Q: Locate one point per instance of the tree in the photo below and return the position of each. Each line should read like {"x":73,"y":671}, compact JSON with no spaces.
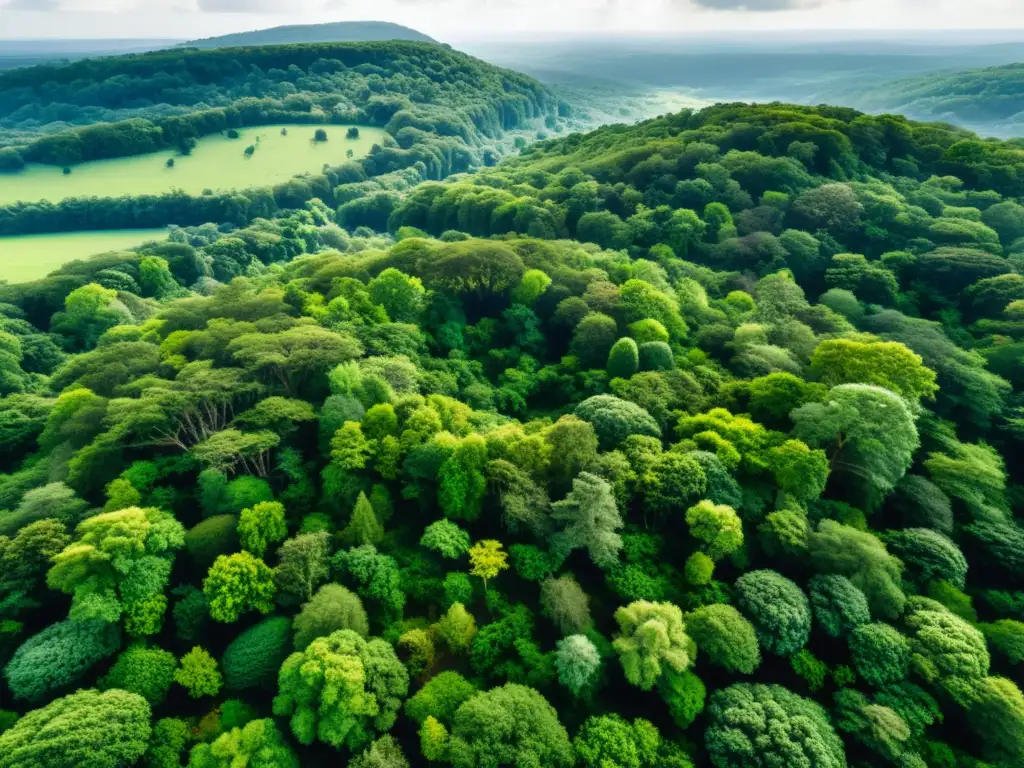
{"x":457,"y":628}
{"x":446,"y":538}
{"x":332,"y":608}
{"x":929,"y":556}
{"x":671,"y":481}
{"x":869,"y":433}
{"x":777,"y":608}
{"x":302,"y":566}
{"x":614,"y":419}
{"x":88,"y":313}
{"x":588,"y":518}
{"x":593,"y":339}
{"x":417,"y":650}
{"x":530,"y":288}
{"x":262,"y":525}
{"x":198,"y":673}
{"x":382,"y":753}
{"x":440,"y":697}
{"x":762,"y":725}
{"x":148,"y":672}
{"x":798,"y":470}
{"x":433,"y":740}
{"x":120,"y":564}
{"x":996,"y":713}
{"x":623,"y":359}
{"x":253,"y":658}
{"x":510,"y":725}
{"x":87,"y":729}
{"x":567,"y":605}
{"x":577,"y":661}
{"x":59,"y":656}
{"x":462,"y":483}
{"x":652,"y":640}
{"x":946,"y":650}
{"x":374,"y":577}
{"x":684,"y":694}
{"x":363,"y":527}
{"x":861,"y":557}
{"x":236,"y":584}
{"x":170,"y":737}
{"x":341,"y":689}
{"x":487,"y":559}
{"x":718,"y":526}
{"x":258,"y":744}
{"x":838,"y":606}
{"x":877,"y":727}
{"x":608,"y":740}
{"x":728,"y":639}
{"x":881,"y":655}
{"x":889,"y":365}
{"x":401,"y":296}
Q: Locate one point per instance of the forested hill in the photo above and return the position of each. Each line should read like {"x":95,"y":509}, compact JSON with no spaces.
{"x":989,"y":99}
{"x":693,"y":443}
{"x":444,"y":112}
{"x":338,"y":32}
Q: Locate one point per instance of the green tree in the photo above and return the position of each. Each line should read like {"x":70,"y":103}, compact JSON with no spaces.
{"x":258,"y":744}
{"x":487,"y":559}
{"x":868,"y":431}
{"x":608,"y":740}
{"x":838,"y":606}
{"x":446,"y":538}
{"x":615,"y":419}
{"x":401,"y":296}
{"x":889,"y":365}
{"x":332,"y":608}
{"x":881,"y":655}
{"x":88,"y":313}
{"x":236,"y":584}
{"x":577,"y":661}
{"x":87,"y":729}
{"x":262,"y":525}
{"x":652,"y":640}
{"x":566,"y":604}
{"x":588,"y":518}
{"x":456,"y":628}
{"x":341,"y":689}
{"x":728,"y":639}
{"x":623,"y":359}
{"x":384,"y":752}
{"x":759,"y":725}
{"x":363,"y":527}
{"x":510,"y":725}
{"x":148,"y":672}
{"x":253,"y":658}
{"x":996,"y":713}
{"x":717,"y":526}
{"x":440,"y":697}
{"x":198,"y":674}
{"x":777,"y":608}
{"x":303,"y":565}
{"x":59,"y":656}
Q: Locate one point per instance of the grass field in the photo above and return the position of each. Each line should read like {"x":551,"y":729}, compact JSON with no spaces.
{"x":29,"y":257}
{"x":217,"y":163}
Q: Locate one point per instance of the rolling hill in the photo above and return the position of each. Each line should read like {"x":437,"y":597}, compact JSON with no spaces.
{"x":337,"y":32}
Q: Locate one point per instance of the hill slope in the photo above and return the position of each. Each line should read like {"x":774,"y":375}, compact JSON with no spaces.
{"x":990,"y":99}
{"x":337,"y":32}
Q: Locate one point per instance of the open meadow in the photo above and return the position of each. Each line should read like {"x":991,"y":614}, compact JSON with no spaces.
{"x":30,"y":257}
{"x":217,"y":163}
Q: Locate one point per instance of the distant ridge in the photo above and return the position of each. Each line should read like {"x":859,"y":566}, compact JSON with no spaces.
{"x":337,"y":32}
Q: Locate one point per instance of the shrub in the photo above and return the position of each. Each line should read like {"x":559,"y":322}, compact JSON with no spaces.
{"x":253,"y":658}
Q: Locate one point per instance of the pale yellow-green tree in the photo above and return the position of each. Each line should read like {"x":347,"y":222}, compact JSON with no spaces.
{"x":487,"y":559}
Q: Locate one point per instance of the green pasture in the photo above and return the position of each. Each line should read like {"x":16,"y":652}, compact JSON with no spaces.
{"x":217,"y":163}
{"x":30,"y":257}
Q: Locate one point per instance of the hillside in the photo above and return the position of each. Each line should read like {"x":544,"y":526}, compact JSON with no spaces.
{"x":337,"y":32}
{"x":690,"y":443}
{"x":443,"y":112}
{"x":990,"y":99}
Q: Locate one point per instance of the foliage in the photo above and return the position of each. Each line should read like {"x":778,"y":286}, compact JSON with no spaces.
{"x":87,"y":729}
{"x":258,"y":744}
{"x":252,"y":659}
{"x":652,"y":641}
{"x":148,"y":672}
{"x":341,"y":689}
{"x":198,"y":673}
{"x":777,"y":608}
{"x":728,"y":639}
{"x":238,"y":583}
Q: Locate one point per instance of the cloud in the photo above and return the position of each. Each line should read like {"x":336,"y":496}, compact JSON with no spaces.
{"x":245,"y":6}
{"x":758,"y":5}
{"x":30,"y":5}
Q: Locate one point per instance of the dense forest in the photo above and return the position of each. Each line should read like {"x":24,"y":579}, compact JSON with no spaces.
{"x":688,"y":443}
{"x":336,"y":32}
{"x":991,"y":97}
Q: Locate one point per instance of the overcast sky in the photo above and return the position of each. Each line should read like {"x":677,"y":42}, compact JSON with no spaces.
{"x":454,"y":20}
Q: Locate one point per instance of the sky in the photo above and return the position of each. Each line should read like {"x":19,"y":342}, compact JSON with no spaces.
{"x":456,"y":20}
